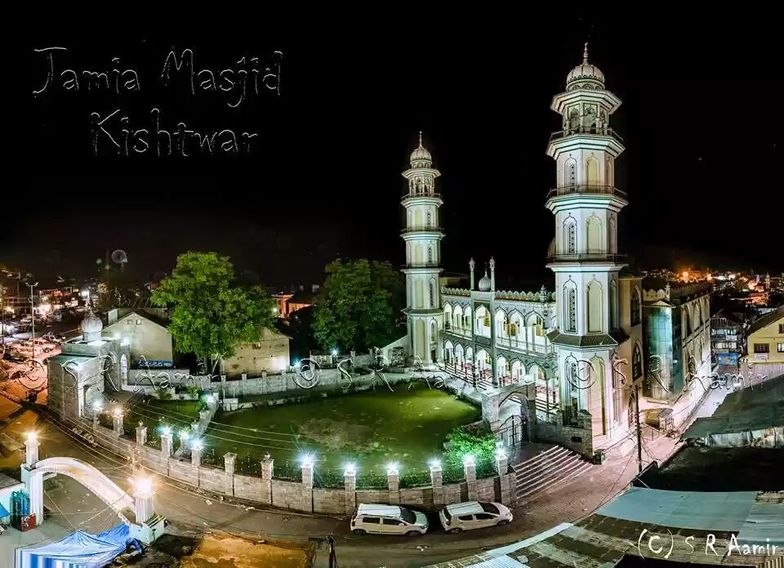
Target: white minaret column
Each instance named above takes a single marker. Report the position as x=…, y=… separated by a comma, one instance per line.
x=471, y=266
x=492, y=274
x=422, y=235
x=586, y=203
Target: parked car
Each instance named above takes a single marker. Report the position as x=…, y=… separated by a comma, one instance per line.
x=388, y=519
x=473, y=515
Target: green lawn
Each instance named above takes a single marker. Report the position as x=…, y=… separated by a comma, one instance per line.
x=370, y=428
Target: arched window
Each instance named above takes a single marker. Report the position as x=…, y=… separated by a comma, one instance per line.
x=613, y=305
x=613, y=236
x=570, y=307
x=432, y=293
x=429, y=221
x=594, y=230
x=635, y=306
x=592, y=169
x=570, y=173
x=595, y=307
x=430, y=254
x=570, y=236
x=637, y=362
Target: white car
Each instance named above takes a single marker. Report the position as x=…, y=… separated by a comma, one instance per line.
x=474, y=515
x=388, y=519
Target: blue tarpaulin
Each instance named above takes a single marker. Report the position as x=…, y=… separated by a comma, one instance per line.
x=3, y=512
x=78, y=550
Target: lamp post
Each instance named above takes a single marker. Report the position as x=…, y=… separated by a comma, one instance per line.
x=32, y=315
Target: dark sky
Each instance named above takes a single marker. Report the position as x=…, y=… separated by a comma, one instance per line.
x=701, y=119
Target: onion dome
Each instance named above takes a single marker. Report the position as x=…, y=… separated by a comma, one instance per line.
x=585, y=76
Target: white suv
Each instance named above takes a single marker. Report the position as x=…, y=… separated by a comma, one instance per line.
x=474, y=515
x=388, y=519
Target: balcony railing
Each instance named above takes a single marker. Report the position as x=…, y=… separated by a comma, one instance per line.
x=522, y=345
x=421, y=229
x=586, y=130
x=586, y=190
x=460, y=331
x=420, y=265
x=411, y=194
x=588, y=257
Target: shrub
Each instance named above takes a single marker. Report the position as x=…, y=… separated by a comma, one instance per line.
x=416, y=478
x=163, y=394
x=327, y=478
x=371, y=480
x=476, y=442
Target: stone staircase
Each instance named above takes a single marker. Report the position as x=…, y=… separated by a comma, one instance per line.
x=547, y=471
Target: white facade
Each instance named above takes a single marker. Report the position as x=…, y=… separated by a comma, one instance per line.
x=422, y=235
x=584, y=257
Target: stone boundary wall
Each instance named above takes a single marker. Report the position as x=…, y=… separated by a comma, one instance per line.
x=302, y=496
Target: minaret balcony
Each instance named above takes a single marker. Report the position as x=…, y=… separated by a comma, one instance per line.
x=586, y=190
x=409, y=230
x=598, y=257
x=590, y=130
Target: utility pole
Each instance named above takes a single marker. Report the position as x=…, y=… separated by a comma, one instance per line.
x=639, y=428
x=32, y=316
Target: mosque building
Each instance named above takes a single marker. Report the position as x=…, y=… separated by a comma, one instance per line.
x=574, y=351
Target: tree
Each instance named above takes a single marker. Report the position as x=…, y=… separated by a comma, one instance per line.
x=358, y=306
x=211, y=313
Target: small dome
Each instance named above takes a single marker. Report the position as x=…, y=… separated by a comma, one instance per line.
x=91, y=324
x=585, y=75
x=420, y=157
x=484, y=283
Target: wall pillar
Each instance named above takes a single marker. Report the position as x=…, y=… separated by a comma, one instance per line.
x=196, y=456
x=307, y=485
x=31, y=450
x=166, y=444
x=502, y=467
x=223, y=386
x=117, y=423
x=393, y=481
x=143, y=505
x=228, y=468
x=267, y=465
x=35, y=489
x=350, y=485
x=141, y=434
x=437, y=481
x=469, y=466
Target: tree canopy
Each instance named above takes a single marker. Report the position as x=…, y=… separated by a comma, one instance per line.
x=359, y=305
x=211, y=313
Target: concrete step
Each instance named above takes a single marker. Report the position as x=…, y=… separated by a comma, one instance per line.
x=564, y=480
x=547, y=471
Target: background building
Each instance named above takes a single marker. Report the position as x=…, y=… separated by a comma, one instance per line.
x=765, y=343
x=676, y=324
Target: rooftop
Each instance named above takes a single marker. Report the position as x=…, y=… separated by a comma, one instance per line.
x=765, y=320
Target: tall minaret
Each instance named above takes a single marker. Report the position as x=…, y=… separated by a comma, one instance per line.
x=585, y=258
x=423, y=235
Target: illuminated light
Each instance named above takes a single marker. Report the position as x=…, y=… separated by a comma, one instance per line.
x=500, y=453
x=307, y=460
x=685, y=274
x=97, y=405
x=165, y=431
x=117, y=412
x=32, y=437
x=334, y=352
x=434, y=464
x=142, y=486
x=197, y=445
x=350, y=469
x=469, y=460
x=184, y=433
x=393, y=468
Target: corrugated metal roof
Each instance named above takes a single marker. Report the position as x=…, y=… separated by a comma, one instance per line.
x=715, y=510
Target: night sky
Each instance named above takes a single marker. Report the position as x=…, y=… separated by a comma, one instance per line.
x=701, y=120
